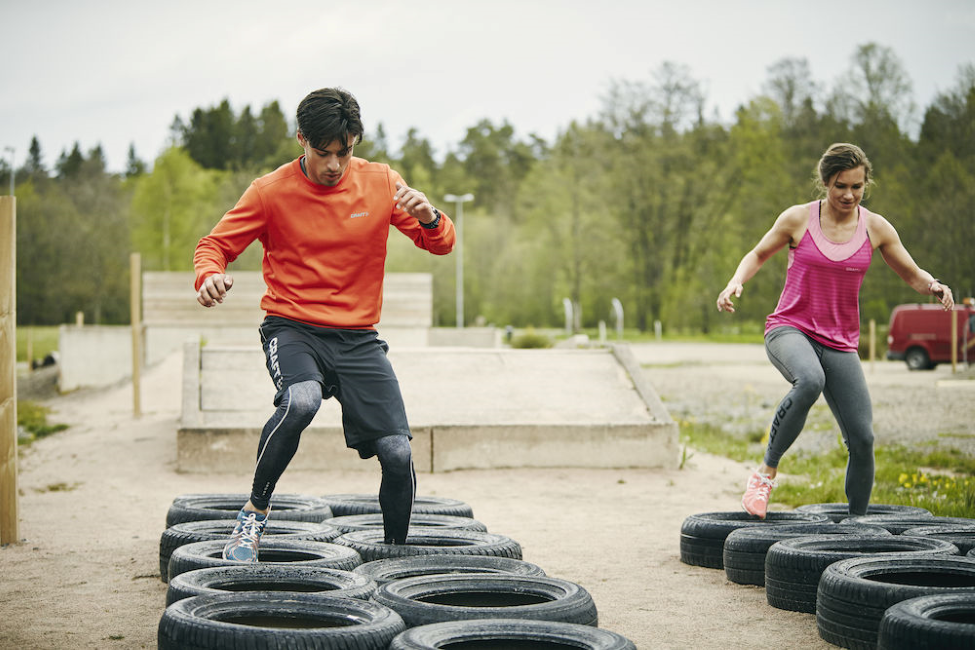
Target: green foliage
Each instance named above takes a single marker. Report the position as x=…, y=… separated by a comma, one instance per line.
x=650, y=201
x=531, y=339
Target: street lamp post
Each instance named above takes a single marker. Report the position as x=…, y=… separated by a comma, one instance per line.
x=459, y=202
x=11, y=150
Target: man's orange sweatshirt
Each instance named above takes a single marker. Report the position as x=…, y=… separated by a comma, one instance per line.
x=324, y=247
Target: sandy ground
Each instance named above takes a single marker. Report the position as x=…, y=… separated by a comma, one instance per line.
x=93, y=500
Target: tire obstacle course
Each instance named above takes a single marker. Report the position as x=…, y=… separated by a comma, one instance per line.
x=333, y=583
x=896, y=578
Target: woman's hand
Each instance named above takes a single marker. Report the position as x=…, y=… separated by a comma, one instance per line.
x=724, y=302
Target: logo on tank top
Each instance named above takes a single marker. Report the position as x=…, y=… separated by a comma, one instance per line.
x=356, y=215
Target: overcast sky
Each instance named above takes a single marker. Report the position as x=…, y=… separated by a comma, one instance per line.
x=117, y=73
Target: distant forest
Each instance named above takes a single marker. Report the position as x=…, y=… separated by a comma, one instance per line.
x=650, y=201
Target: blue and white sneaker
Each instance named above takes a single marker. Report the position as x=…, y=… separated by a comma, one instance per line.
x=244, y=541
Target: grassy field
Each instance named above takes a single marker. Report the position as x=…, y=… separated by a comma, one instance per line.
x=43, y=340
x=939, y=480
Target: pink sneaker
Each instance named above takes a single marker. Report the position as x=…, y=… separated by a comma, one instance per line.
x=756, y=499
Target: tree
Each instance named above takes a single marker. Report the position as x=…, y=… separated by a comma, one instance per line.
x=171, y=209
x=35, y=160
x=133, y=165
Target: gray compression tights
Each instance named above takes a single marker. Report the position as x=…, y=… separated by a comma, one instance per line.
x=813, y=369
x=279, y=442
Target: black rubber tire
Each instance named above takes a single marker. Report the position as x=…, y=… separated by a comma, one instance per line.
x=962, y=535
x=517, y=633
x=443, y=598
x=201, y=555
x=366, y=504
x=370, y=545
x=794, y=566
x=703, y=535
x=840, y=511
x=853, y=594
x=944, y=621
x=898, y=524
x=374, y=521
x=270, y=577
x=293, y=507
x=276, y=621
x=918, y=359
x=189, y=532
x=744, y=551
x=383, y=571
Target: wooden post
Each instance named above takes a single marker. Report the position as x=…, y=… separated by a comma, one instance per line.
x=872, y=331
x=135, y=308
x=9, y=525
x=955, y=339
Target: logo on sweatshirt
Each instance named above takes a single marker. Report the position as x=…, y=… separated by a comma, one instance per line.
x=356, y=215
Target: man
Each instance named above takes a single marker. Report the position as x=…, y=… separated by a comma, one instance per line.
x=323, y=220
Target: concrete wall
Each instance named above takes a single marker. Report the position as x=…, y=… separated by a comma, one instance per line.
x=468, y=408
x=102, y=355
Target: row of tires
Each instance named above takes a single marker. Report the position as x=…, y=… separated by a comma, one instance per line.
x=333, y=583
x=897, y=578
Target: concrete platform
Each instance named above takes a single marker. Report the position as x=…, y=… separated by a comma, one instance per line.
x=468, y=408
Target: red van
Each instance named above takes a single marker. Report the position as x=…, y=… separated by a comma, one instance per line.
x=921, y=335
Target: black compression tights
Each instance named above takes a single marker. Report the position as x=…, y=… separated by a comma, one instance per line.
x=279, y=442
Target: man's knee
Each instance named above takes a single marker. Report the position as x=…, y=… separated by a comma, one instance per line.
x=304, y=399
x=394, y=453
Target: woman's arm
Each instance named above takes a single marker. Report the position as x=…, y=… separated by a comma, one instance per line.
x=900, y=260
x=787, y=229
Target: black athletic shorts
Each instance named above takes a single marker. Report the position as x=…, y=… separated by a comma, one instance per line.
x=350, y=365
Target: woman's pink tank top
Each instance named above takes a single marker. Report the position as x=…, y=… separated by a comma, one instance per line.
x=823, y=279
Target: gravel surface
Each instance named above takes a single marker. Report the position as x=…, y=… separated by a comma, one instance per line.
x=736, y=388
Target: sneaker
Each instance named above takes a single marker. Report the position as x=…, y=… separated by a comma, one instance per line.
x=243, y=544
x=756, y=499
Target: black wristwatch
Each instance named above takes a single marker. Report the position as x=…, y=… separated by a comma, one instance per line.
x=433, y=224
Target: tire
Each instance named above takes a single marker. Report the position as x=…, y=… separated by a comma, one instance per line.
x=440, y=599
x=270, y=577
x=367, y=504
x=370, y=545
x=374, y=521
x=840, y=511
x=293, y=507
x=898, y=524
x=918, y=359
x=201, y=555
x=853, y=594
x=491, y=633
x=744, y=551
x=961, y=535
x=944, y=621
x=703, y=535
x=383, y=571
x=794, y=566
x=201, y=531
x=276, y=620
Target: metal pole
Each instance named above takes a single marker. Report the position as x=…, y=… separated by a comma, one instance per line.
x=459, y=227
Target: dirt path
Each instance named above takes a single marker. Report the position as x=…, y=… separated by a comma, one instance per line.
x=93, y=501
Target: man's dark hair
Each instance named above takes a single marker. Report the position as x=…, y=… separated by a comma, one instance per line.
x=328, y=115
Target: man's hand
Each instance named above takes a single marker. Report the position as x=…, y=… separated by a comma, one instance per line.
x=213, y=289
x=414, y=202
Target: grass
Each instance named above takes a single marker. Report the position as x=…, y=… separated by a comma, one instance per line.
x=32, y=418
x=937, y=479
x=43, y=339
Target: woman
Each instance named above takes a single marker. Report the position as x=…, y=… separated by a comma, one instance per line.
x=812, y=335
